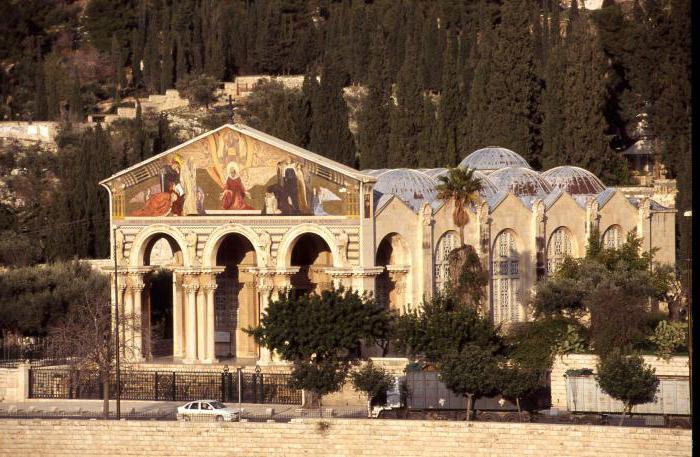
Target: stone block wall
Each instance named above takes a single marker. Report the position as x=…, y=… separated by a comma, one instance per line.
x=8, y=384
x=333, y=437
x=677, y=366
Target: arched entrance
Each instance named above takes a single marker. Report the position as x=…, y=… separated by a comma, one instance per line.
x=391, y=283
x=163, y=254
x=313, y=256
x=235, y=303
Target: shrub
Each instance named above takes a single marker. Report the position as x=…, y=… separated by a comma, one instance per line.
x=668, y=337
x=625, y=377
x=372, y=381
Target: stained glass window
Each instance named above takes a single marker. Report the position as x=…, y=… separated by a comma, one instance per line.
x=447, y=243
x=560, y=246
x=612, y=238
x=506, y=279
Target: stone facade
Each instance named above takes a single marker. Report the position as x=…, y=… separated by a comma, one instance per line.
x=677, y=366
x=334, y=437
x=379, y=231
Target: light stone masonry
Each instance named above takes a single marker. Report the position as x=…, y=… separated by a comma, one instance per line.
x=337, y=437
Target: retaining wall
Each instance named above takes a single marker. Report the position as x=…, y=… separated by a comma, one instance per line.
x=334, y=437
x=677, y=366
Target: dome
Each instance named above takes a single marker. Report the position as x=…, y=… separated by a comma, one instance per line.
x=493, y=158
x=521, y=181
x=412, y=186
x=574, y=180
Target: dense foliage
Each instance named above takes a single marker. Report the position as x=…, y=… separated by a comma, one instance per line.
x=609, y=292
x=371, y=380
x=34, y=298
x=321, y=334
x=440, y=78
x=625, y=377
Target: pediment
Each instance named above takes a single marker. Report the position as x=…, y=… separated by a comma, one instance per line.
x=236, y=170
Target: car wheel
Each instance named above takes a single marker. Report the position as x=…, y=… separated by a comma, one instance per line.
x=186, y=418
x=219, y=418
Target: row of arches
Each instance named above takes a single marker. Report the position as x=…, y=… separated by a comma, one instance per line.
x=237, y=301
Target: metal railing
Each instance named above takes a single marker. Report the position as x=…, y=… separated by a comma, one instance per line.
x=255, y=386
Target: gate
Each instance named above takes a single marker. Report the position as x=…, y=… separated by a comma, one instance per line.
x=255, y=386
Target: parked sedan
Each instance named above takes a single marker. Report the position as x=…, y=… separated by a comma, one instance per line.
x=207, y=410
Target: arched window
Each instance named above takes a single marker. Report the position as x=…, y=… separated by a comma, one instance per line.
x=613, y=238
x=506, y=278
x=446, y=244
x=561, y=245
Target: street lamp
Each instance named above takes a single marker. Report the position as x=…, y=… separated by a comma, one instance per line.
x=689, y=287
x=116, y=323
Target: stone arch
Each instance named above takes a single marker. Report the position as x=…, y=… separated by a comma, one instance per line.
x=447, y=242
x=284, y=251
x=613, y=236
x=150, y=234
x=506, y=258
x=215, y=239
x=392, y=283
x=561, y=244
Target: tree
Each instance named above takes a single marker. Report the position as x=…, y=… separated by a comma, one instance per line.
x=199, y=89
x=270, y=108
x=472, y=372
x=462, y=188
x=84, y=335
x=372, y=381
x=321, y=334
x=627, y=378
x=516, y=382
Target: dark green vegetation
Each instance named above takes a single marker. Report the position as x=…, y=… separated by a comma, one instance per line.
x=35, y=298
x=625, y=377
x=440, y=78
x=604, y=300
x=321, y=334
x=56, y=210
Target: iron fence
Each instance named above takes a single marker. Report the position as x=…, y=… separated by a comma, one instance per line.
x=255, y=386
x=37, y=351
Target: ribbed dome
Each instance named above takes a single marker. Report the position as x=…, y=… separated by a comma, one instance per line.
x=412, y=186
x=522, y=182
x=574, y=180
x=493, y=158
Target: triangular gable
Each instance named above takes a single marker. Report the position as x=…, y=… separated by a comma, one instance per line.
x=502, y=197
x=611, y=194
x=386, y=203
x=561, y=198
x=236, y=169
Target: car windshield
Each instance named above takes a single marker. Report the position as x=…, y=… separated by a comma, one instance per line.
x=217, y=405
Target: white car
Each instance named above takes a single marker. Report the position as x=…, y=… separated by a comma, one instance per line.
x=202, y=410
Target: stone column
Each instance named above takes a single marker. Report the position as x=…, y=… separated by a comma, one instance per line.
x=178, y=346
x=126, y=319
x=136, y=323
x=190, y=286
x=209, y=286
x=264, y=287
x=201, y=323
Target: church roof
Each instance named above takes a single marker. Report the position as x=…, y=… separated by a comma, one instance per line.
x=493, y=158
x=413, y=187
x=574, y=180
x=521, y=181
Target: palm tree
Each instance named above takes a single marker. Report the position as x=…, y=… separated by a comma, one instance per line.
x=460, y=186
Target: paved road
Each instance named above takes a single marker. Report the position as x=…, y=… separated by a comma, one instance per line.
x=159, y=409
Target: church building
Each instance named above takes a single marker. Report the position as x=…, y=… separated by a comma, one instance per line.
x=207, y=231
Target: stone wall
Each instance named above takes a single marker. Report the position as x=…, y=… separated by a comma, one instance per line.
x=8, y=384
x=333, y=437
x=677, y=366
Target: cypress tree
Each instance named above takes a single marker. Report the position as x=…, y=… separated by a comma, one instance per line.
x=303, y=114
x=405, y=118
x=373, y=116
x=432, y=51
x=585, y=137
x=449, y=110
x=40, y=111
x=168, y=64
x=553, y=100
x=75, y=102
x=507, y=80
x=330, y=134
